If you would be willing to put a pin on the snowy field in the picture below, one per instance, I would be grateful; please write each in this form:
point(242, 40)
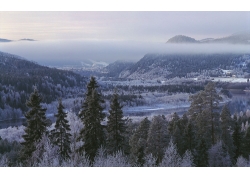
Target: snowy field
point(231, 79)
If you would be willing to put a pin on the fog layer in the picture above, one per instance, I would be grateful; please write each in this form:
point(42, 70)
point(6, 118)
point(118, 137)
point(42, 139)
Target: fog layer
point(73, 52)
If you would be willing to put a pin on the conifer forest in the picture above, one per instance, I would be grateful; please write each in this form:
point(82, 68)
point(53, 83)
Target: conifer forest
point(125, 89)
point(204, 136)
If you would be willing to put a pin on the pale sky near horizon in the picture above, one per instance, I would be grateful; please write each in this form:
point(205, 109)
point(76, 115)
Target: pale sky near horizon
point(67, 37)
point(154, 26)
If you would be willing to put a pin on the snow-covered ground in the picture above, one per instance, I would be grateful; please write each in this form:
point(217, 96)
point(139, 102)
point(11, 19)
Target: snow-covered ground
point(229, 79)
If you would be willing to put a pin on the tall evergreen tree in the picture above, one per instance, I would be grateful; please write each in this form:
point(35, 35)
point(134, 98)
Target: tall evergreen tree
point(115, 127)
point(226, 137)
point(211, 101)
point(201, 154)
point(60, 135)
point(138, 143)
point(36, 126)
point(172, 124)
point(246, 144)
point(158, 138)
point(189, 137)
point(178, 134)
point(204, 107)
point(91, 115)
point(237, 140)
point(196, 106)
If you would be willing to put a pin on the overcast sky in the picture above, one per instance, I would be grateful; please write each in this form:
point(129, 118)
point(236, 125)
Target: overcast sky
point(66, 37)
point(136, 26)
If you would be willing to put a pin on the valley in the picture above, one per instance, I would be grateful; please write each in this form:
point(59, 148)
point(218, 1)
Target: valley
point(156, 84)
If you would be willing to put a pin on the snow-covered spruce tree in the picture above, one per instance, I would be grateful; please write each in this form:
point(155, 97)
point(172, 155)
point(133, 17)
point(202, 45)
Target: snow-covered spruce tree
point(138, 143)
point(171, 157)
point(242, 162)
point(187, 159)
point(91, 115)
point(218, 156)
point(117, 159)
point(61, 134)
point(36, 126)
point(150, 161)
point(226, 137)
point(46, 154)
point(115, 127)
point(75, 125)
point(158, 138)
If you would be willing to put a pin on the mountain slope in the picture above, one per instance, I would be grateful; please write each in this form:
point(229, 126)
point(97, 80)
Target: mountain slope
point(18, 76)
point(153, 66)
point(181, 39)
point(5, 40)
point(115, 68)
point(237, 38)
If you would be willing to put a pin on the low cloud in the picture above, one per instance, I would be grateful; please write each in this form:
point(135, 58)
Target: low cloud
point(72, 52)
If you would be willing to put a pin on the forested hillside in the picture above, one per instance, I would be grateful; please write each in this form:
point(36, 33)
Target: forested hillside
point(180, 65)
point(114, 69)
point(18, 76)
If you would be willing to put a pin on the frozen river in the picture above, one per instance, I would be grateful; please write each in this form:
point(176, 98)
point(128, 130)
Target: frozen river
point(158, 109)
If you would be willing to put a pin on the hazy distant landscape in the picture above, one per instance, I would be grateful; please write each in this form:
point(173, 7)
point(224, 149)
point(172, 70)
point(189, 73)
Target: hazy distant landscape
point(126, 96)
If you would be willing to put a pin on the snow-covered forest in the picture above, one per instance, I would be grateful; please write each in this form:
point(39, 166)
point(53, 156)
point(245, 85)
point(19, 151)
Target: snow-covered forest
point(204, 136)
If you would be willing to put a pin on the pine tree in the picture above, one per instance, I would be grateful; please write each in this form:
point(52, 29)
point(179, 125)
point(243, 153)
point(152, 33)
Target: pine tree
point(178, 134)
point(172, 124)
point(201, 154)
point(237, 140)
point(138, 143)
point(36, 126)
point(189, 137)
point(226, 137)
point(91, 115)
point(246, 144)
point(115, 127)
point(211, 101)
point(196, 106)
point(60, 135)
point(158, 138)
point(204, 107)
point(203, 130)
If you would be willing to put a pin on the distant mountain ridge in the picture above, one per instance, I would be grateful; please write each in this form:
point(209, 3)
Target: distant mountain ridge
point(182, 39)
point(236, 38)
point(27, 39)
point(5, 40)
point(8, 40)
point(165, 66)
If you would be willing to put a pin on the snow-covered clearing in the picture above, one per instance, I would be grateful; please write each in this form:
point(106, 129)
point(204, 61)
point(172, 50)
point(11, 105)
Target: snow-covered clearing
point(229, 79)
